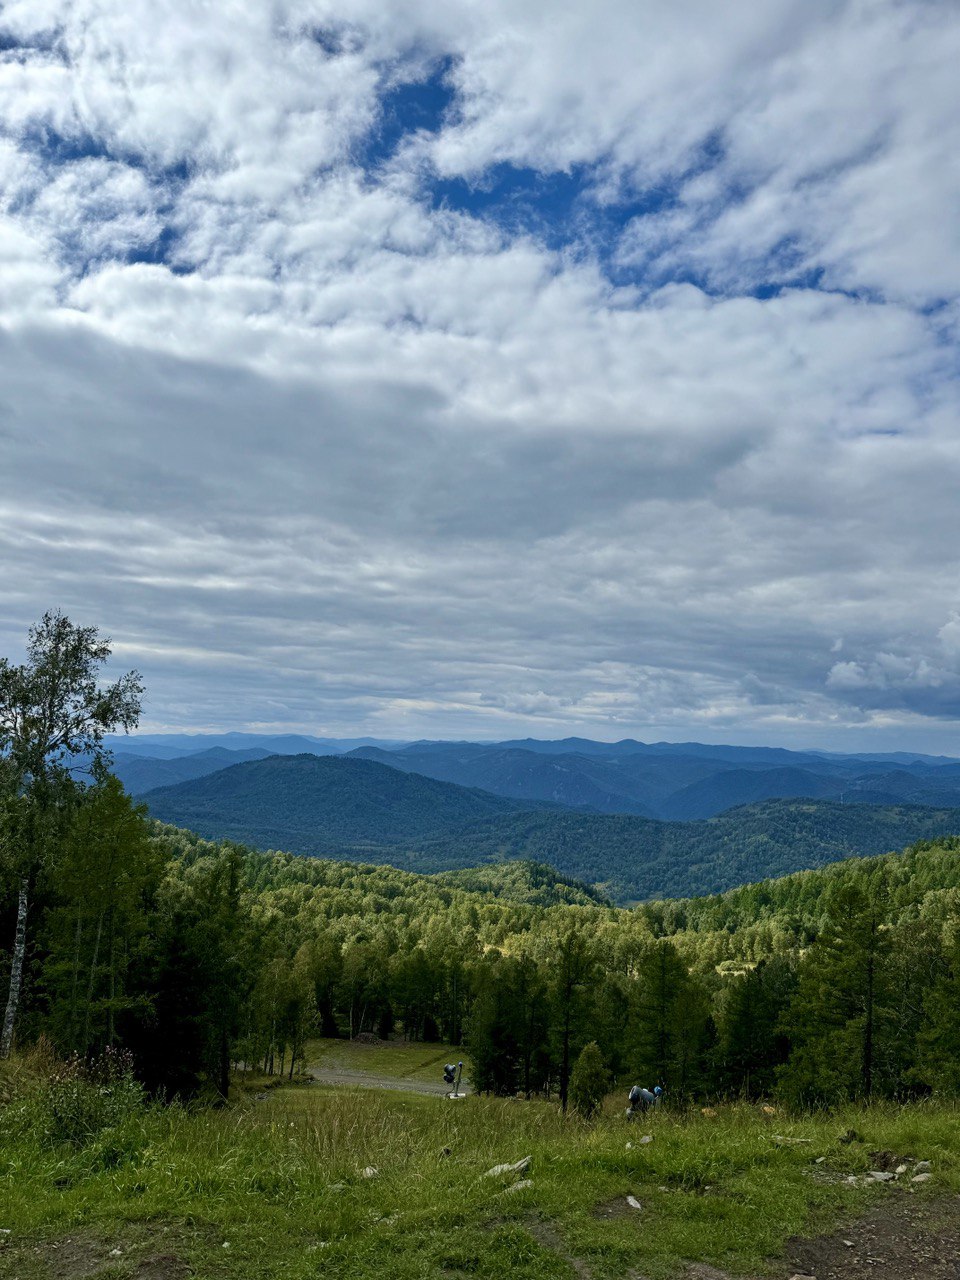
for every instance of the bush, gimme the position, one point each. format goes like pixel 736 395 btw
pixel 81 1101
pixel 589 1081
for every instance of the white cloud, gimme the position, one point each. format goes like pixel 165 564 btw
pixel 344 456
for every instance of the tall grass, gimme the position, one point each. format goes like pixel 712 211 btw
pixel 269 1189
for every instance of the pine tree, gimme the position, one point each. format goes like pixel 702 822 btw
pixel 589 1081
pixel 840 1020
pixel 669 1022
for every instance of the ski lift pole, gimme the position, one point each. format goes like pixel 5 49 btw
pixel 453 1074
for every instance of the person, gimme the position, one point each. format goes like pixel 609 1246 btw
pixel 642 1100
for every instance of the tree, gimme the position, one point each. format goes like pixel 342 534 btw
pixel 670 1021
pixel 751 1043
pixel 574 973
pixel 94 938
pixel 589 1081
pixel 53 715
pixel 841 1019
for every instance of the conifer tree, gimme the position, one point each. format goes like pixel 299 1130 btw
pixel 840 1019
pixel 589 1081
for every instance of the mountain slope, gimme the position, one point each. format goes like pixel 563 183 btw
pixel 634 859
pixel 673 782
pixel 572 781
pixel 140 773
pixel 364 810
pixel 315 804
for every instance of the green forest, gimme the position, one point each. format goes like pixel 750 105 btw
pixel 358 809
pixel 195 956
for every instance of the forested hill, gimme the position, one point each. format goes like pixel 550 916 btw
pixel 361 810
pixel 321 804
pixel 633 859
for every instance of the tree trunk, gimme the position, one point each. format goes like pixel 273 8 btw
pixel 75 987
pixel 91 983
pixel 113 988
pixel 223 1083
pixel 16 969
pixel 867 1073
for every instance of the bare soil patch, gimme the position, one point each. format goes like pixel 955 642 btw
pixel 908 1237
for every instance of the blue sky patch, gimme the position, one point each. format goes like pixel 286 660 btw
pixel 407 109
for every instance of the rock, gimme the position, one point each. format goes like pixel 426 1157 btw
pixel 921 1177
pixel 647 1137
pixel 522 1185
pixel 116 1253
pixel 800 1276
pixel 820 1160
pixel 848 1243
pixel 370 1172
pixel 634 1203
pixel 901 1168
pixel 501 1170
pixel 921 1166
pixel 880 1175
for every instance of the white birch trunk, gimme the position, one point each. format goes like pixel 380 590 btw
pixel 16 970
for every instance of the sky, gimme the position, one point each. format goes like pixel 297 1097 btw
pixel 478 368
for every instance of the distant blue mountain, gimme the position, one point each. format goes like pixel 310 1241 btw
pixel 673 781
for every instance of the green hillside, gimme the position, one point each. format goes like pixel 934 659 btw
pixel 635 858
pixel 315 804
pixel 358 809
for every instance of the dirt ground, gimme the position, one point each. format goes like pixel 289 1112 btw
pixel 909 1237
pixel 367 1080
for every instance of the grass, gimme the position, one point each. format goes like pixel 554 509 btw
pixel 276 1190
pixel 398 1059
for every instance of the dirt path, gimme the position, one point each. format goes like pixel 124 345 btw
pixel 367 1080
pixel 910 1237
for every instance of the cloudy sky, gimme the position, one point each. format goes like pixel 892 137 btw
pixel 482 367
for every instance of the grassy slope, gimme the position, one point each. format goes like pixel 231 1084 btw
pixel 275 1190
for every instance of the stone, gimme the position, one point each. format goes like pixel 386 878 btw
pixel 921 1177
pixel 370 1172
pixel 501 1170
pixel 921 1166
pixel 647 1137
pixel 634 1203
pixel 880 1175
pixel 523 1185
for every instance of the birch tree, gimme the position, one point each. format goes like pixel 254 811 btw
pixel 54 714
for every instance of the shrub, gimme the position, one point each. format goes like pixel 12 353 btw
pixel 83 1100
pixel 589 1081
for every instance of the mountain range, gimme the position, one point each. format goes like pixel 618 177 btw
pixel 362 810
pixel 667 781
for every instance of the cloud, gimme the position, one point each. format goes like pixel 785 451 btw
pixel 326 397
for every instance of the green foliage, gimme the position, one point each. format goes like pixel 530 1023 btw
pixel 358 809
pixel 321 804
pixel 589 1081
pixel 82 1101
